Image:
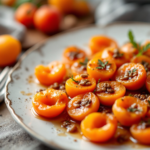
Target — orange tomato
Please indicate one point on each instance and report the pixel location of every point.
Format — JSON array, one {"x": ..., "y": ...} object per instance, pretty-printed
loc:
[
  {"x": 54, "y": 72},
  {"x": 128, "y": 50},
  {"x": 114, "y": 54},
  {"x": 141, "y": 132},
  {"x": 73, "y": 88},
  {"x": 10, "y": 48},
  {"x": 99, "y": 43},
  {"x": 129, "y": 110},
  {"x": 99, "y": 127},
  {"x": 131, "y": 75},
  {"x": 62, "y": 5},
  {"x": 47, "y": 19},
  {"x": 73, "y": 54},
  {"x": 82, "y": 105},
  {"x": 50, "y": 103},
  {"x": 107, "y": 98},
  {"x": 97, "y": 71},
  {"x": 25, "y": 14}
]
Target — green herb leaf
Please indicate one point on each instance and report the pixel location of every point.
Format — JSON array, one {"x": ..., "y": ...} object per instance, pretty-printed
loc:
[
  {"x": 137, "y": 45},
  {"x": 131, "y": 38},
  {"x": 96, "y": 85},
  {"x": 130, "y": 109},
  {"x": 101, "y": 65},
  {"x": 146, "y": 47},
  {"x": 148, "y": 102},
  {"x": 134, "y": 70},
  {"x": 74, "y": 80},
  {"x": 85, "y": 62},
  {"x": 130, "y": 94}
]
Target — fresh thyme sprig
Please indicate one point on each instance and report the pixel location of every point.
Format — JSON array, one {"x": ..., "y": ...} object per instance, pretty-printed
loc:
[
  {"x": 130, "y": 109},
  {"x": 137, "y": 45},
  {"x": 74, "y": 80},
  {"x": 96, "y": 85},
  {"x": 85, "y": 62},
  {"x": 101, "y": 65},
  {"x": 130, "y": 94}
]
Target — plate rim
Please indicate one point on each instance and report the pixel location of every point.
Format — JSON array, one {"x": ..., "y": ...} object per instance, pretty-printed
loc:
[{"x": 40, "y": 138}]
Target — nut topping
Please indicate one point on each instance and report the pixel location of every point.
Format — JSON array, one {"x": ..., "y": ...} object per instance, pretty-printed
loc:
[
  {"x": 84, "y": 75},
  {"x": 58, "y": 86},
  {"x": 146, "y": 65},
  {"x": 129, "y": 74},
  {"x": 75, "y": 55},
  {"x": 106, "y": 88},
  {"x": 141, "y": 96},
  {"x": 85, "y": 103},
  {"x": 69, "y": 126},
  {"x": 117, "y": 54}
]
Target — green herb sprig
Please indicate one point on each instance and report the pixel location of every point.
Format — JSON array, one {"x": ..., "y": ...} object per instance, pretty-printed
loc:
[
  {"x": 97, "y": 85},
  {"x": 137, "y": 45},
  {"x": 74, "y": 80},
  {"x": 85, "y": 62},
  {"x": 130, "y": 109},
  {"x": 101, "y": 65}
]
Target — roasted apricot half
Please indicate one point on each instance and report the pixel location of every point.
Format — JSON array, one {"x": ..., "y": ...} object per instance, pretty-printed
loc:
[
  {"x": 129, "y": 110},
  {"x": 82, "y": 105},
  {"x": 49, "y": 103},
  {"x": 114, "y": 54},
  {"x": 54, "y": 72},
  {"x": 147, "y": 53},
  {"x": 141, "y": 131},
  {"x": 109, "y": 91},
  {"x": 128, "y": 50},
  {"x": 101, "y": 69},
  {"x": 72, "y": 54},
  {"x": 99, "y": 43},
  {"x": 144, "y": 60},
  {"x": 80, "y": 84},
  {"x": 99, "y": 127},
  {"x": 79, "y": 67},
  {"x": 131, "y": 75}
]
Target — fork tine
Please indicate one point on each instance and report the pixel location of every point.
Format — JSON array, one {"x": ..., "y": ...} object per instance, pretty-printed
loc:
[
  {"x": 3, "y": 77},
  {"x": 3, "y": 73}
]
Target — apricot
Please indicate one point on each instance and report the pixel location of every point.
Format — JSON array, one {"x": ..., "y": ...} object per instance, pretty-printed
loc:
[
  {"x": 54, "y": 72},
  {"x": 129, "y": 110},
  {"x": 131, "y": 75},
  {"x": 49, "y": 103},
  {"x": 99, "y": 43},
  {"x": 78, "y": 85},
  {"x": 72, "y": 54},
  {"x": 82, "y": 105},
  {"x": 101, "y": 69},
  {"x": 99, "y": 127},
  {"x": 109, "y": 91}
]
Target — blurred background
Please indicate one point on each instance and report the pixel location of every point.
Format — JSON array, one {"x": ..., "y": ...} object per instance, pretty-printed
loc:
[{"x": 31, "y": 21}]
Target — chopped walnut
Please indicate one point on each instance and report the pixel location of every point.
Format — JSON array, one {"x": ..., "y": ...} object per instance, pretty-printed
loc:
[
  {"x": 58, "y": 86},
  {"x": 129, "y": 74},
  {"x": 141, "y": 96},
  {"x": 71, "y": 127},
  {"x": 75, "y": 55},
  {"x": 105, "y": 109},
  {"x": 146, "y": 65},
  {"x": 117, "y": 54},
  {"x": 84, "y": 102},
  {"x": 106, "y": 88},
  {"x": 84, "y": 75},
  {"x": 122, "y": 138},
  {"x": 144, "y": 124}
]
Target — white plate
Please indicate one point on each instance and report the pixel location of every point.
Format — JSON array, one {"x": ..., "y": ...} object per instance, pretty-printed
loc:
[{"x": 20, "y": 87}]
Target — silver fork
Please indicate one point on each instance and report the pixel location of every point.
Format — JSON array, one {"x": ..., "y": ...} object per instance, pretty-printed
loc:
[{"x": 3, "y": 79}]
